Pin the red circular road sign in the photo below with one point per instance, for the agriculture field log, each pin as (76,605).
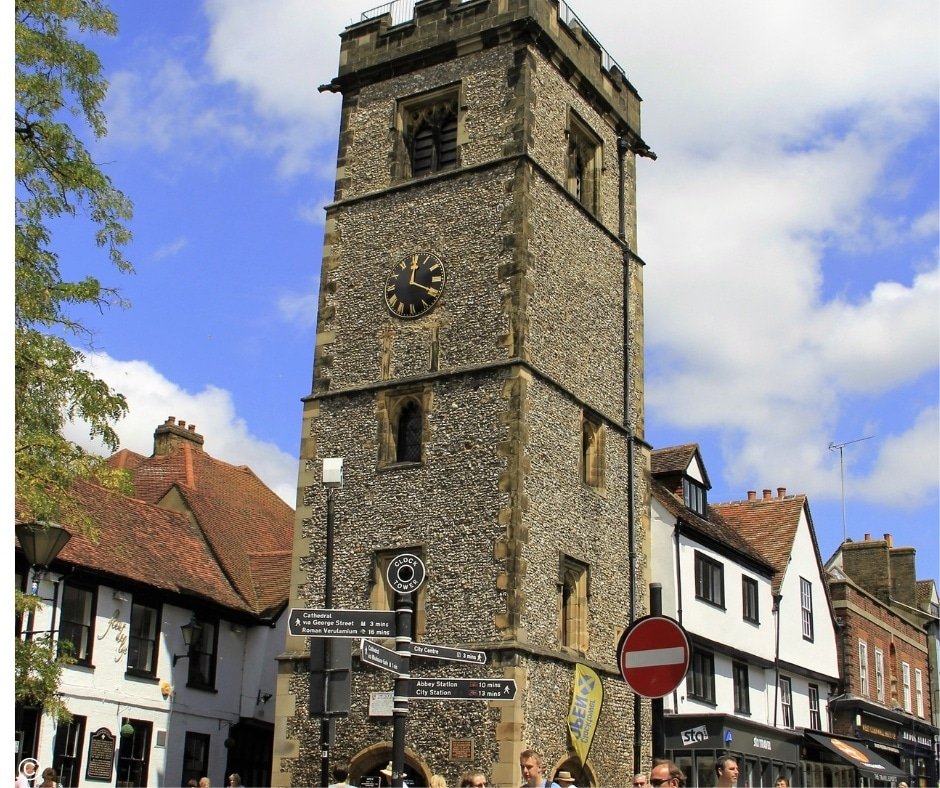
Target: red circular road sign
(654,656)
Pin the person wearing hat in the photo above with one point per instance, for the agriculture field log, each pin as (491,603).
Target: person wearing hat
(387,773)
(564,779)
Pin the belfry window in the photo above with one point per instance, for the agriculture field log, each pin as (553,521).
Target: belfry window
(583,163)
(429,127)
(434,145)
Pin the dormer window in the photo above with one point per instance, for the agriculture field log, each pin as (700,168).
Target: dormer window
(693,496)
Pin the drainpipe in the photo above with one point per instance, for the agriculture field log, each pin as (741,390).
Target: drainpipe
(623,148)
(776,612)
(675,535)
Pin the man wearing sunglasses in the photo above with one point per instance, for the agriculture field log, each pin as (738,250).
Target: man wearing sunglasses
(666,773)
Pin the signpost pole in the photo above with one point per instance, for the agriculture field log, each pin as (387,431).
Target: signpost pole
(327,603)
(656,704)
(404,607)
(332,478)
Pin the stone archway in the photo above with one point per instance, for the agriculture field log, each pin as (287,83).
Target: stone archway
(365,767)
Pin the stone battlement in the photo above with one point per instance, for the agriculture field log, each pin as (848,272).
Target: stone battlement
(447,29)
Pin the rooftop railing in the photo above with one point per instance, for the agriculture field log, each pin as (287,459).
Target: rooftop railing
(403,10)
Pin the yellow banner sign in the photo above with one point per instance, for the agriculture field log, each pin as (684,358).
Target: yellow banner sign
(587,695)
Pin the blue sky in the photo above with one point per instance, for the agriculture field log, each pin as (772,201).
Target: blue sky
(789,229)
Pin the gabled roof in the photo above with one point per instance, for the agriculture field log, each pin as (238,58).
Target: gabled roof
(770,525)
(247,528)
(148,545)
(194,525)
(925,592)
(677,459)
(714,529)
(238,515)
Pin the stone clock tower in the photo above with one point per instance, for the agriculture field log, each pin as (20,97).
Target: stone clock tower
(478,366)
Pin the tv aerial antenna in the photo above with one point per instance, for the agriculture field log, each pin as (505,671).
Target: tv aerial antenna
(840,446)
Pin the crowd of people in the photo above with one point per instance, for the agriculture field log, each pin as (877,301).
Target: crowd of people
(663,774)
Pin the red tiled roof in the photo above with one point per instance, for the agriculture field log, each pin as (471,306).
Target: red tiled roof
(146,544)
(770,525)
(713,527)
(236,513)
(923,590)
(195,525)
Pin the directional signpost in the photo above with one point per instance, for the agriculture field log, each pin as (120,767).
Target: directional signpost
(654,656)
(443,688)
(381,657)
(317,623)
(446,652)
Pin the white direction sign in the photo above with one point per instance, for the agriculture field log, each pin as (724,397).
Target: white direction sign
(446,652)
(443,688)
(329,623)
(381,657)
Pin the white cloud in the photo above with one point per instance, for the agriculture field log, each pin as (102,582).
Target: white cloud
(278,54)
(152,398)
(783,131)
(313,212)
(171,249)
(298,308)
(908,465)
(886,341)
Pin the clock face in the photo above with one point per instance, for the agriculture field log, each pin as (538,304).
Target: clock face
(414,284)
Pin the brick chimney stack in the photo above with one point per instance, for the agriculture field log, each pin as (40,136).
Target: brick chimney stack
(882,569)
(169,435)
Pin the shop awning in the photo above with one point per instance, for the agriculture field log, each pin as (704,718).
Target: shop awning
(859,756)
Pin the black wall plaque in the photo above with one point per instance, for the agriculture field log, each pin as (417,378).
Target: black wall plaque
(100,755)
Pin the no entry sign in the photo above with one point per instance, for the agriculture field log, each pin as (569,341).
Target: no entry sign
(654,656)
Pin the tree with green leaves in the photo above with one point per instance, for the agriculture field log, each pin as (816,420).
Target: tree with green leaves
(58,79)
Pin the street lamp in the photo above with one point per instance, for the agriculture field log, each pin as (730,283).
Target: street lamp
(41,543)
(191,633)
(332,479)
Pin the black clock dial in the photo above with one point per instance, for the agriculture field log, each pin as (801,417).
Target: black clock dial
(414,284)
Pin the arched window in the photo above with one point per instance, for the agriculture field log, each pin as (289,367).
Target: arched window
(573,605)
(434,143)
(583,163)
(408,433)
(593,469)
(576,171)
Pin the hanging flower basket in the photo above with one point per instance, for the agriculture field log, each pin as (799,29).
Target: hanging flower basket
(127,729)
(229,743)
